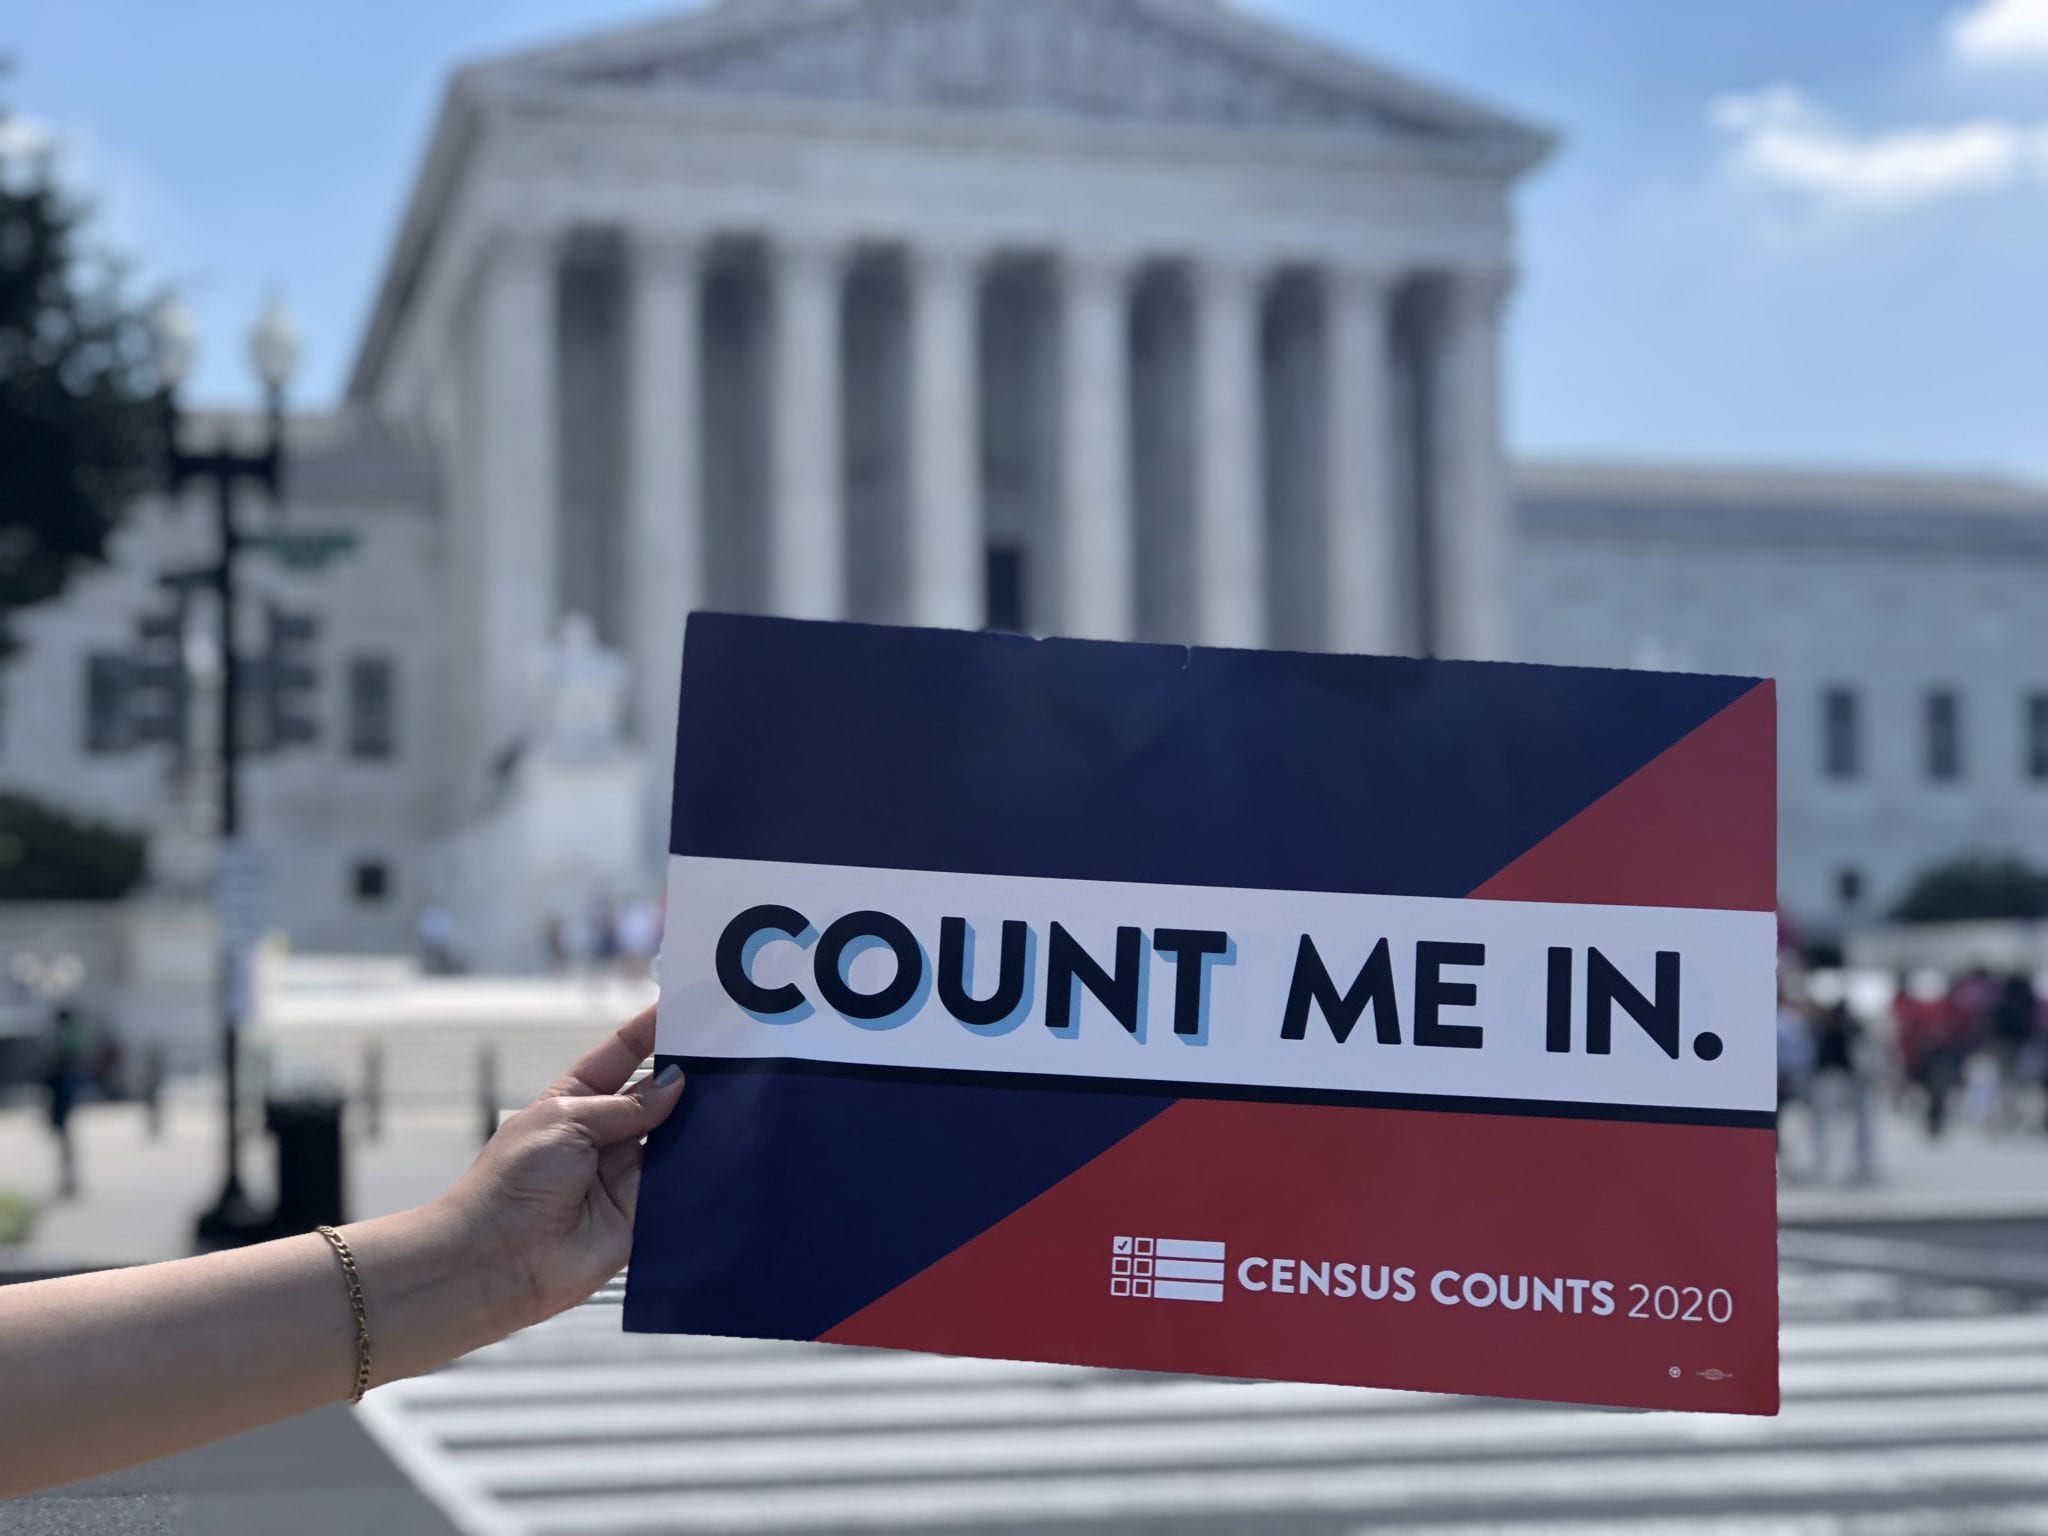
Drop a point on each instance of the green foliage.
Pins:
(46, 855)
(17, 1217)
(1975, 888)
(80, 428)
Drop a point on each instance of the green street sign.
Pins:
(302, 551)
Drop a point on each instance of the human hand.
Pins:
(552, 1195)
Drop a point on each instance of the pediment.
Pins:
(1193, 62)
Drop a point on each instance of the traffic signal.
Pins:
(156, 684)
(286, 682)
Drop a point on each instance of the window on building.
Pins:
(1944, 735)
(106, 702)
(2037, 737)
(1005, 587)
(1849, 886)
(372, 707)
(371, 879)
(1841, 748)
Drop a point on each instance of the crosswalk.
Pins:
(1910, 1409)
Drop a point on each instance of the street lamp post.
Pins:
(273, 348)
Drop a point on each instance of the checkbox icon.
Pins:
(1119, 1287)
(1119, 1266)
(1141, 1266)
(1144, 1245)
(1120, 1245)
(1141, 1287)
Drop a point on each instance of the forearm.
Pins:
(104, 1370)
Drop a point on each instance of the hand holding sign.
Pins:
(553, 1194)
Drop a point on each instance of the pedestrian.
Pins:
(2013, 1044)
(604, 935)
(1795, 1051)
(63, 1071)
(115, 1367)
(151, 1089)
(436, 926)
(639, 935)
(1931, 1049)
(1841, 1091)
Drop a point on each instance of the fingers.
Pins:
(611, 1118)
(618, 1169)
(606, 1069)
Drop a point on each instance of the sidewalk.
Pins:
(1967, 1175)
(139, 1197)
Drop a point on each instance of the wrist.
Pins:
(499, 1275)
(434, 1288)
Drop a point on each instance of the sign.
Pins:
(302, 550)
(1340, 1019)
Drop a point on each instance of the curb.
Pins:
(1910, 1210)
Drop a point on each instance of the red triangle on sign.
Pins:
(1696, 826)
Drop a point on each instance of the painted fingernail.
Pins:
(667, 1075)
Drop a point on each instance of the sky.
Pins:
(1808, 232)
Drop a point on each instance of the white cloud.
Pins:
(1777, 135)
(2000, 29)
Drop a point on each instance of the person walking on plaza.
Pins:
(63, 1073)
(109, 1369)
(1795, 1055)
(2016, 1044)
(1931, 1034)
(1841, 1090)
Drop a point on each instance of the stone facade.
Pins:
(1903, 617)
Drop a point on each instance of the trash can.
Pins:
(307, 1129)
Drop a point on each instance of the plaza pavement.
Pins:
(140, 1195)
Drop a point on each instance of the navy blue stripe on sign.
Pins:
(778, 1204)
(1088, 760)
(1247, 1093)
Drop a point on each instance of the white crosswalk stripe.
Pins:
(1910, 1407)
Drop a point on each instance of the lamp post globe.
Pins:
(176, 341)
(274, 346)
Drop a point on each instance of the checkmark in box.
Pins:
(1120, 1245)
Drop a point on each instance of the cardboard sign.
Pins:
(1339, 1019)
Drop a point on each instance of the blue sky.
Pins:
(1806, 231)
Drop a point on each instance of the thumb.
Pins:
(611, 1118)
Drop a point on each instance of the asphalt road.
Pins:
(1916, 1401)
(319, 1475)
(1916, 1387)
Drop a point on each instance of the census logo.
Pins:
(1166, 1268)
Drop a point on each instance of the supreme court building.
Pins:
(1113, 318)
(1117, 318)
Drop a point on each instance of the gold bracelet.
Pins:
(355, 1305)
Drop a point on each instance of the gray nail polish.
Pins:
(667, 1075)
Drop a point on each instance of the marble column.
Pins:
(1097, 530)
(1474, 530)
(665, 561)
(944, 537)
(807, 528)
(1362, 604)
(509, 519)
(1230, 546)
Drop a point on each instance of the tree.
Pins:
(49, 855)
(80, 428)
(1974, 888)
